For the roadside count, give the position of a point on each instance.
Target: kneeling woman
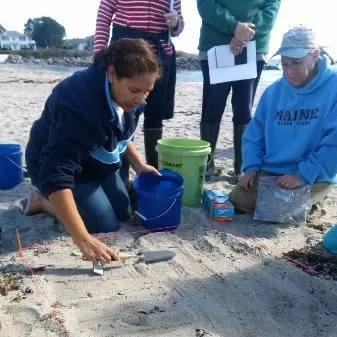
(75, 147)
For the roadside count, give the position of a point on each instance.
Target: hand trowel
(97, 268)
(150, 256)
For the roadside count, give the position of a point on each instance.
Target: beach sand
(227, 279)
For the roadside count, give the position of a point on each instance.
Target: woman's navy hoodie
(77, 120)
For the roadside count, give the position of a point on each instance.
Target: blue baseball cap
(298, 42)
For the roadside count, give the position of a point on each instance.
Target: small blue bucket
(159, 200)
(330, 240)
(11, 172)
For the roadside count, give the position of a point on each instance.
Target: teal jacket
(220, 18)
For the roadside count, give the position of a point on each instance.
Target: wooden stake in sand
(18, 243)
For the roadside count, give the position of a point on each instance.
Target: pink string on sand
(56, 313)
(105, 236)
(284, 257)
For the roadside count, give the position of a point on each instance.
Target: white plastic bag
(276, 204)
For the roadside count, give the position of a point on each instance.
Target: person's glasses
(296, 63)
(293, 64)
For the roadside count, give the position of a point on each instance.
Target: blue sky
(79, 19)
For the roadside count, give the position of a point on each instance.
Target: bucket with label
(188, 157)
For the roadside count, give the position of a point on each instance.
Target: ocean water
(267, 77)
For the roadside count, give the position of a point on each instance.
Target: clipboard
(224, 66)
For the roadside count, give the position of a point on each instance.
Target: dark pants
(215, 97)
(160, 103)
(103, 204)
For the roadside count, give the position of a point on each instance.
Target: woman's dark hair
(130, 57)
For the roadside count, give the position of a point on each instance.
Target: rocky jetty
(184, 61)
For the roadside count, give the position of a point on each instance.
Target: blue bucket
(159, 200)
(11, 172)
(330, 240)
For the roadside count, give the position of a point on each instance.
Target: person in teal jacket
(232, 22)
(293, 134)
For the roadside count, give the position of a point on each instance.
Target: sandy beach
(237, 279)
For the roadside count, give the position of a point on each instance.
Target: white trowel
(98, 268)
(146, 257)
(150, 256)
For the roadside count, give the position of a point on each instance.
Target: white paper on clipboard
(235, 72)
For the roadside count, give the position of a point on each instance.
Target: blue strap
(106, 157)
(101, 154)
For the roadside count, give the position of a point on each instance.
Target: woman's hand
(95, 250)
(92, 249)
(144, 168)
(172, 18)
(244, 31)
(236, 46)
(137, 162)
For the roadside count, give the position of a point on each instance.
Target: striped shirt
(145, 15)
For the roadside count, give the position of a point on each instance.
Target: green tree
(2, 28)
(45, 31)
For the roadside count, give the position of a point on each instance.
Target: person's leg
(36, 202)
(151, 137)
(118, 196)
(242, 103)
(244, 201)
(124, 171)
(160, 105)
(95, 208)
(259, 69)
(213, 105)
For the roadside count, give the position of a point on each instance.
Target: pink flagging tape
(243, 236)
(116, 235)
(305, 267)
(284, 257)
(38, 284)
(154, 231)
(105, 236)
(56, 313)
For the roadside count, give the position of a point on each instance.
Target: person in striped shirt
(156, 21)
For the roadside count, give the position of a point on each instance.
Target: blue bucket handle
(15, 164)
(144, 218)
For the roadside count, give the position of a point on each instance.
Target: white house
(81, 46)
(12, 40)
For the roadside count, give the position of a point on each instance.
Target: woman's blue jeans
(103, 204)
